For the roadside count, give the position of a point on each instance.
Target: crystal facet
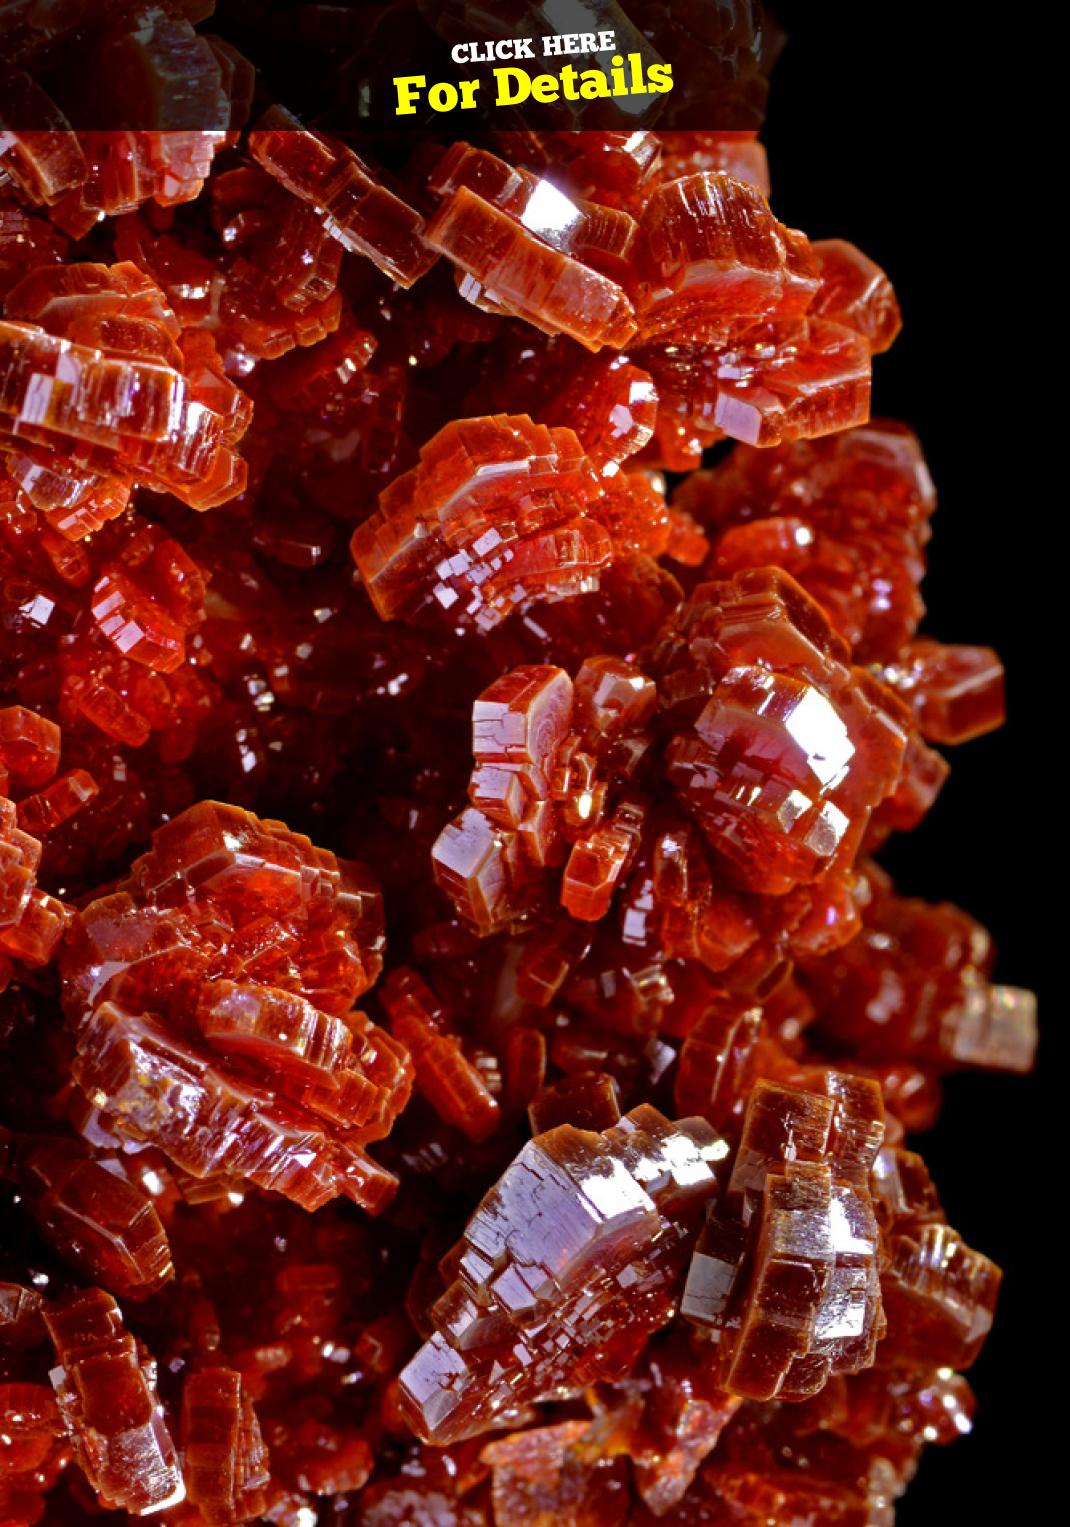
(599, 739)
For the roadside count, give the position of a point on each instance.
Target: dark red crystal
(565, 1270)
(791, 751)
(224, 1461)
(786, 1273)
(223, 976)
(106, 1389)
(596, 747)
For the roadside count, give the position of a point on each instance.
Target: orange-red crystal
(361, 642)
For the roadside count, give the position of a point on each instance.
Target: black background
(913, 132)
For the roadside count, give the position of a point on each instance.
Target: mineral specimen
(107, 1397)
(361, 213)
(104, 1222)
(599, 739)
(509, 266)
(211, 1005)
(539, 795)
(848, 517)
(914, 984)
(224, 1461)
(31, 921)
(938, 1294)
(96, 397)
(792, 751)
(444, 1074)
(786, 1273)
(566, 1268)
(713, 254)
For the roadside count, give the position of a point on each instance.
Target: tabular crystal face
(211, 1002)
(915, 984)
(224, 1461)
(107, 1396)
(766, 383)
(501, 513)
(98, 395)
(31, 921)
(521, 245)
(86, 177)
(509, 270)
(792, 751)
(955, 691)
(445, 1074)
(486, 520)
(548, 753)
(714, 254)
(567, 1267)
(939, 1294)
(786, 1273)
(106, 1225)
(856, 293)
(362, 214)
(598, 235)
(848, 517)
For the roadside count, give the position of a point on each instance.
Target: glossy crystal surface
(211, 1004)
(786, 1273)
(848, 517)
(714, 255)
(224, 1460)
(106, 1391)
(792, 750)
(546, 751)
(106, 1223)
(481, 698)
(566, 1268)
(364, 215)
(97, 397)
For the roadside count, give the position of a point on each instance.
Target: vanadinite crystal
(210, 1000)
(106, 1389)
(374, 631)
(566, 1268)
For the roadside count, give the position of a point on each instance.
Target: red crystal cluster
(232, 958)
(341, 487)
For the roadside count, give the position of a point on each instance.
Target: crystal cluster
(31, 920)
(847, 516)
(101, 391)
(374, 630)
(787, 758)
(914, 984)
(566, 1268)
(546, 752)
(785, 1275)
(106, 1392)
(105, 1222)
(224, 1460)
(211, 1002)
(85, 178)
(357, 209)
(267, 284)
